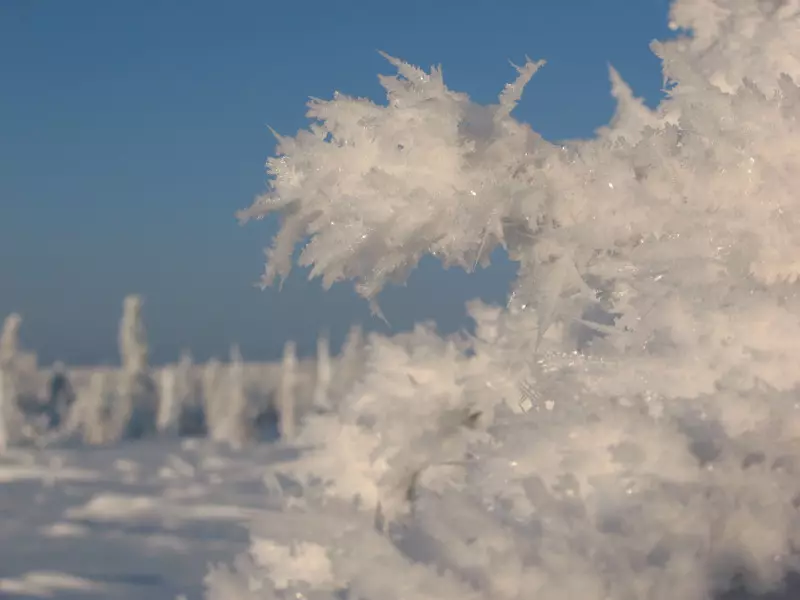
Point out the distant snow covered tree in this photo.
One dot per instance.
(9, 340)
(132, 336)
(168, 406)
(179, 400)
(213, 390)
(3, 418)
(13, 428)
(8, 352)
(287, 400)
(322, 382)
(350, 362)
(17, 368)
(228, 417)
(136, 405)
(655, 323)
(12, 357)
(60, 397)
(190, 407)
(90, 416)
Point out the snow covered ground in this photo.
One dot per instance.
(136, 520)
(133, 520)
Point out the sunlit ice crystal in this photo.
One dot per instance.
(656, 307)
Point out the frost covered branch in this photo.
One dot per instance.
(656, 312)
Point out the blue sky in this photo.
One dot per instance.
(130, 133)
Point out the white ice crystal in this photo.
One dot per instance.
(656, 315)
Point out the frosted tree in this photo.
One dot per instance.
(212, 382)
(286, 393)
(97, 410)
(3, 424)
(13, 427)
(60, 398)
(132, 336)
(136, 407)
(8, 352)
(9, 340)
(169, 404)
(654, 327)
(322, 383)
(229, 419)
(12, 357)
(90, 416)
(177, 395)
(13, 366)
(350, 362)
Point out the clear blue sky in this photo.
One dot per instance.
(130, 133)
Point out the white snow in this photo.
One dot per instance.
(134, 520)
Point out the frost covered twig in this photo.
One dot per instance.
(656, 301)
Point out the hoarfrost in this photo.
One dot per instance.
(656, 311)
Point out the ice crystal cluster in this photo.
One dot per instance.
(654, 329)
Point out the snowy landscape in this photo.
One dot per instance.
(627, 427)
(129, 482)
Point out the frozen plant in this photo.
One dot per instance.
(8, 351)
(349, 363)
(96, 410)
(13, 426)
(169, 405)
(61, 397)
(228, 420)
(322, 383)
(212, 384)
(89, 416)
(9, 340)
(177, 397)
(656, 315)
(287, 393)
(132, 336)
(135, 410)
(3, 424)
(12, 357)
(189, 400)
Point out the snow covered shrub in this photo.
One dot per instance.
(227, 412)
(628, 427)
(9, 340)
(19, 404)
(228, 416)
(89, 416)
(4, 412)
(136, 406)
(168, 406)
(189, 398)
(13, 358)
(322, 382)
(116, 404)
(132, 336)
(60, 397)
(287, 392)
(349, 363)
(179, 409)
(213, 391)
(9, 414)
